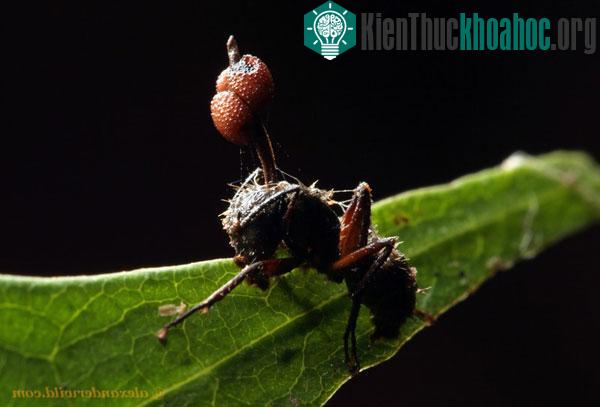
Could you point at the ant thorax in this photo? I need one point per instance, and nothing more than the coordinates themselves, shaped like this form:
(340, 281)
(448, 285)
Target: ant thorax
(254, 220)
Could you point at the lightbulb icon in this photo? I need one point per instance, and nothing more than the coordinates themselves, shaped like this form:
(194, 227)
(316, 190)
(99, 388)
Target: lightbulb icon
(330, 27)
(329, 30)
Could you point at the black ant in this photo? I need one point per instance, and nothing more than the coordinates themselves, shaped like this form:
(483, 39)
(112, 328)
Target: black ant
(268, 212)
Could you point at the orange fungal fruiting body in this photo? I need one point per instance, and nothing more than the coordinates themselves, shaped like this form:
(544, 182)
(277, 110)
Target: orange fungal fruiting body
(232, 117)
(243, 91)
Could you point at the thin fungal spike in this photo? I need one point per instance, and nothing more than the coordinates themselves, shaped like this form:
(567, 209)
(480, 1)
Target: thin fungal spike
(233, 52)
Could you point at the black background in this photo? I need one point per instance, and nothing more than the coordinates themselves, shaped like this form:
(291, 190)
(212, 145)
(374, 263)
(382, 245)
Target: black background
(109, 161)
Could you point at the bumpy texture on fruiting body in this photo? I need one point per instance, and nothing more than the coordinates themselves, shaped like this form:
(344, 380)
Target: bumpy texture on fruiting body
(232, 117)
(243, 91)
(251, 80)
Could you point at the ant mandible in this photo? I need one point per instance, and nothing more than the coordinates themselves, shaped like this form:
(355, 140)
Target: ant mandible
(268, 212)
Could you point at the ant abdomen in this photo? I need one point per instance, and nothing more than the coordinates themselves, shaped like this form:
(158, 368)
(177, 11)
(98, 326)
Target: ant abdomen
(391, 296)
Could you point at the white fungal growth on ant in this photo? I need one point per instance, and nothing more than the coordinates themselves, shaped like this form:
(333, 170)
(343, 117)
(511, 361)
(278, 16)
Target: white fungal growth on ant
(253, 193)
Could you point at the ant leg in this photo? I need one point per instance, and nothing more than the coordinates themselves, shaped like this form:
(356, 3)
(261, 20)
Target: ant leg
(356, 221)
(375, 266)
(352, 359)
(384, 247)
(270, 268)
(354, 235)
(356, 256)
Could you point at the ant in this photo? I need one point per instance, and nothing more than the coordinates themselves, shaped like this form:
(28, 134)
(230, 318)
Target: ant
(268, 212)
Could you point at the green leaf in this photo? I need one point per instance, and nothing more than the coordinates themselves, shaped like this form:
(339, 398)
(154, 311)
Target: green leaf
(283, 346)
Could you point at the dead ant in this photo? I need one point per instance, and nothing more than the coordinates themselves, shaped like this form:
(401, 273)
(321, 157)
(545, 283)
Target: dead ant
(268, 212)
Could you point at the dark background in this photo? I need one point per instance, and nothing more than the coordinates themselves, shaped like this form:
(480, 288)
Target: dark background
(109, 161)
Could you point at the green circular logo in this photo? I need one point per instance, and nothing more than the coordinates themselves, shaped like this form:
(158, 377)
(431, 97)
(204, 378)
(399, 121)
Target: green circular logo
(330, 30)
